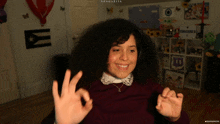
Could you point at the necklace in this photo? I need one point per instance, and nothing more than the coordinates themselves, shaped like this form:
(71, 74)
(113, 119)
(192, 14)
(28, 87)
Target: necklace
(119, 89)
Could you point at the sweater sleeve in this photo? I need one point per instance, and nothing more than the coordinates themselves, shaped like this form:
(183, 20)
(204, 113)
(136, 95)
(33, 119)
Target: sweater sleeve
(184, 118)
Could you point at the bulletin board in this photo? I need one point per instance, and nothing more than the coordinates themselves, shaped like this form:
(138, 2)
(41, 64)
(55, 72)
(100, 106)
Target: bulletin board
(194, 11)
(145, 16)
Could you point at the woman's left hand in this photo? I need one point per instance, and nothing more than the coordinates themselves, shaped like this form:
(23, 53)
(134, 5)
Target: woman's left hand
(169, 104)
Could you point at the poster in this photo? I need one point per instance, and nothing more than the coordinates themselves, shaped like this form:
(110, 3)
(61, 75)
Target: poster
(145, 16)
(194, 11)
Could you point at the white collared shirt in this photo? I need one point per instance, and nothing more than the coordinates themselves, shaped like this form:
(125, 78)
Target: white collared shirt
(107, 79)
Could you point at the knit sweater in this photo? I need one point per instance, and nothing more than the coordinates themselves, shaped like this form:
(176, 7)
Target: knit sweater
(135, 104)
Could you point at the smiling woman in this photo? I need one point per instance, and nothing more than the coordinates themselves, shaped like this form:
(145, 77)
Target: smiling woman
(95, 48)
(122, 58)
(114, 69)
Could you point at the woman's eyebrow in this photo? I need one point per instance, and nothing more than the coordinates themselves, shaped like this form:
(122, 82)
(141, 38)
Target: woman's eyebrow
(132, 46)
(120, 46)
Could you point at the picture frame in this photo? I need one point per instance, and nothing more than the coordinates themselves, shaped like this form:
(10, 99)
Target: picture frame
(174, 79)
(194, 11)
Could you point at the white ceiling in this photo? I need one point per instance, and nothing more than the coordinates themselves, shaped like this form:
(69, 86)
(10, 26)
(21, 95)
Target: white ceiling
(132, 2)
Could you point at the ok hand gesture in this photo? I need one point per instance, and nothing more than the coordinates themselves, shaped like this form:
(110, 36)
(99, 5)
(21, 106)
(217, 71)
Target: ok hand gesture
(68, 106)
(170, 105)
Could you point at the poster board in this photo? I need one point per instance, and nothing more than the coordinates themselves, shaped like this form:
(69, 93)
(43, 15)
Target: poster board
(194, 11)
(145, 16)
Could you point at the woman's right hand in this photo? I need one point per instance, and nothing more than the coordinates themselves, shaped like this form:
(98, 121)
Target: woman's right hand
(68, 106)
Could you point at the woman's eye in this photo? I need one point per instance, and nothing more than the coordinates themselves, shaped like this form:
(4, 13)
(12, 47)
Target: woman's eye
(132, 51)
(115, 50)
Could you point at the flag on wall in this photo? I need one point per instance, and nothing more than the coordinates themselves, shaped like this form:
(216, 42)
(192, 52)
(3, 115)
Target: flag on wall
(37, 38)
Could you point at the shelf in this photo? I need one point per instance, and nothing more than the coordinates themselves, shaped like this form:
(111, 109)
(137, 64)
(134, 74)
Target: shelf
(191, 87)
(177, 54)
(194, 56)
(179, 71)
(199, 56)
(193, 59)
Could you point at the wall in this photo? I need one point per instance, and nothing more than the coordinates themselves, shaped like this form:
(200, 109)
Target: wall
(102, 11)
(82, 14)
(214, 14)
(33, 66)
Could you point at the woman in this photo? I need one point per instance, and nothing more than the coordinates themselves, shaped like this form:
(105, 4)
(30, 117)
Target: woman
(113, 69)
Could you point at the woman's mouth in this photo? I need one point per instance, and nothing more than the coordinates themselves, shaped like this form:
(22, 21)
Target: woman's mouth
(122, 67)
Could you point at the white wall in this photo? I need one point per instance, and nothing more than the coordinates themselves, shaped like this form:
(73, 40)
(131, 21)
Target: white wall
(34, 65)
(102, 11)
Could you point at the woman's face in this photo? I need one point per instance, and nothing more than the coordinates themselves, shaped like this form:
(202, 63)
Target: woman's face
(122, 58)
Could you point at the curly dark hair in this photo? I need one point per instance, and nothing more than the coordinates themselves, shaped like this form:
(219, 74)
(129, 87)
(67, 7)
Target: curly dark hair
(91, 51)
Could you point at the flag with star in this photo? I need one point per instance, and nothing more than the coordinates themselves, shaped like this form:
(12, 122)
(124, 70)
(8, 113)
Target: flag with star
(37, 38)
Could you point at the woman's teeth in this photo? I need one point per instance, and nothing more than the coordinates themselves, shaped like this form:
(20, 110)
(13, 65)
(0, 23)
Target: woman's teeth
(123, 66)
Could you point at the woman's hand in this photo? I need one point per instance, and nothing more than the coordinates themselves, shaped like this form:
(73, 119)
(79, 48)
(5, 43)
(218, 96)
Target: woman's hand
(68, 106)
(170, 105)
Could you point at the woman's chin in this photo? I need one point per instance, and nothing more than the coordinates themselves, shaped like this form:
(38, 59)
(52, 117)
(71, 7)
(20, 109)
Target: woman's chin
(121, 76)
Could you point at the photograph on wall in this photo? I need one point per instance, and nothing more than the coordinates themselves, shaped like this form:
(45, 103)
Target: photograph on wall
(174, 79)
(37, 38)
(194, 11)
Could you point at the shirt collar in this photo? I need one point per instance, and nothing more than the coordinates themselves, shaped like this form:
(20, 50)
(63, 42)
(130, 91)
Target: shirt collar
(107, 79)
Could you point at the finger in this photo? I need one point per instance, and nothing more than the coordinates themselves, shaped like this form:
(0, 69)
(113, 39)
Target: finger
(83, 93)
(180, 96)
(55, 91)
(159, 101)
(171, 93)
(177, 99)
(66, 82)
(74, 81)
(165, 91)
(88, 107)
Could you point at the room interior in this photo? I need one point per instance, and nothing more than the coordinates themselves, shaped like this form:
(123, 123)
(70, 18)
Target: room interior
(28, 64)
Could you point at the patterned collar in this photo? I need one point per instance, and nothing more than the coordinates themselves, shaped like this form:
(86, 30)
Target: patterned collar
(107, 79)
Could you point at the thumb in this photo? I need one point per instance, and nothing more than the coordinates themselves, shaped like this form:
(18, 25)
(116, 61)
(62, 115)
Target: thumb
(88, 107)
(158, 107)
(180, 95)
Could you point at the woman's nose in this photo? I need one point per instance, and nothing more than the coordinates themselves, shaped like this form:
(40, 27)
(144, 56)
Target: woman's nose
(124, 56)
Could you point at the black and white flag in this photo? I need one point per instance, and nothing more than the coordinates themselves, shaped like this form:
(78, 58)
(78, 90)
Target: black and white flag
(37, 38)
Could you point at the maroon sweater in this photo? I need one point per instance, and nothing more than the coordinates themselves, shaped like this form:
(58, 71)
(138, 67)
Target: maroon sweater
(135, 104)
